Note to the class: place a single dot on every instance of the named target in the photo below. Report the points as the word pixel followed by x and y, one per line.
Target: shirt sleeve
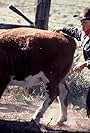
pixel 88 54
pixel 73 32
pixel 88 63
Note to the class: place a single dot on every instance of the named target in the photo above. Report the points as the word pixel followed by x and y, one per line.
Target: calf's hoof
pixel 61 121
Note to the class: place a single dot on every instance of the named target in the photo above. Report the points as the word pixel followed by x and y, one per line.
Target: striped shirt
pixel 85 41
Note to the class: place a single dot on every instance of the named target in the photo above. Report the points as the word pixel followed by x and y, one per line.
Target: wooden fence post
pixel 42 14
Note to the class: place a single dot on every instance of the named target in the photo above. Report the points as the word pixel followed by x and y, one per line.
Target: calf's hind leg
pixel 49 98
pixel 63 102
pixel 43 107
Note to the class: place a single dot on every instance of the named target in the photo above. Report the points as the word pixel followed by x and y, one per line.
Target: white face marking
pixel 30 81
pixel 63 109
pixel 40 111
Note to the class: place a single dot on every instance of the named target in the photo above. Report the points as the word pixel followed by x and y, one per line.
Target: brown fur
pixel 27 51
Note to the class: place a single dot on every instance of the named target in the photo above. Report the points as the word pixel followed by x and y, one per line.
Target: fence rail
pixel 59 12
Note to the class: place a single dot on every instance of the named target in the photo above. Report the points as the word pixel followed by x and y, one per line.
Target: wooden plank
pixel 42 14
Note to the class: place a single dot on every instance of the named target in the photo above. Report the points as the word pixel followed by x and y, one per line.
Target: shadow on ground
pixel 18 127
pixel 47 129
pixel 28 127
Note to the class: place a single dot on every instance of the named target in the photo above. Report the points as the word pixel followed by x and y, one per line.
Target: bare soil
pixel 16 113
pixel 16 108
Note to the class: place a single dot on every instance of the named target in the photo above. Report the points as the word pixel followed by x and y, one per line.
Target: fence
pixel 61 12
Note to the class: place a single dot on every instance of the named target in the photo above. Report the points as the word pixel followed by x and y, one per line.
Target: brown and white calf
pixel 31 55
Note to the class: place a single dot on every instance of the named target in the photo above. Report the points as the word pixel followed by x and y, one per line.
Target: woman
pixel 84 37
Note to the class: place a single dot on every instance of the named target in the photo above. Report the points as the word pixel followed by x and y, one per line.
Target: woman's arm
pixel 71 31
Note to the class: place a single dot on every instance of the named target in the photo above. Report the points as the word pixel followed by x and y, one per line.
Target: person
pixel 83 36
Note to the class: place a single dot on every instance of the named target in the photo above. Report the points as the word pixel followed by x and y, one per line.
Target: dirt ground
pixel 15 116
pixel 16 109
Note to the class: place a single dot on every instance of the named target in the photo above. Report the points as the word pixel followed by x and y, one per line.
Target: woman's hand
pixel 80 67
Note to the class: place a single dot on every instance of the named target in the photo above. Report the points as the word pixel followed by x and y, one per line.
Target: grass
pixel 61 12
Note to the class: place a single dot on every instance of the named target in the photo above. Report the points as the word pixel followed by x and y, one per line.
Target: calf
pixel 30 55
